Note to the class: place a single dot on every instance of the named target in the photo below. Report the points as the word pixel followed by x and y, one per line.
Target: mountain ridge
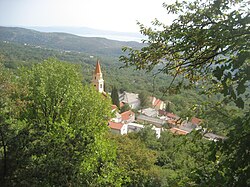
pixel 90 32
pixel 66 41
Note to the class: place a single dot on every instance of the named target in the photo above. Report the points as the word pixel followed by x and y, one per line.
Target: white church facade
pixel 97 79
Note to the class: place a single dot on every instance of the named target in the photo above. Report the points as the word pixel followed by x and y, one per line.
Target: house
pixel 131 99
pixel 135 127
pixel 196 121
pixel 172 122
pixel 157 131
pixel 169 115
pixel 178 131
pixel 117 118
pixel 214 137
pixel 150 120
pixel 118 128
pixel 128 116
pixel 187 129
pixel 157 103
pixel 172 116
pixel 151 112
pixel 188 124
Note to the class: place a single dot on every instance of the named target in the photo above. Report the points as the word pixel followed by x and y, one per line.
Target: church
pixel 97 79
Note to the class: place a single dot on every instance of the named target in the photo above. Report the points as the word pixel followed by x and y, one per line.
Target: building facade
pixel 97 79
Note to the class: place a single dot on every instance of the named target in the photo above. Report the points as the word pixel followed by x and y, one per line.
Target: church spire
pixel 97 80
pixel 98 67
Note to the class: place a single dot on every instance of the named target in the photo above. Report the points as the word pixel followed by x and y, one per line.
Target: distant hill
pixel 90 32
pixel 66 42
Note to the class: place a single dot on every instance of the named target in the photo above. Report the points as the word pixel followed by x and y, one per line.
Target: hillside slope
pixel 64 41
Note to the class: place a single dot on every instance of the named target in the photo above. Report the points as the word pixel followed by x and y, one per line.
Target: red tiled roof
pixel 98 67
pixel 158 102
pixel 126 115
pixel 168 114
pixel 196 121
pixel 178 131
pixel 114 125
pixel 162 112
pixel 171 115
pixel 172 122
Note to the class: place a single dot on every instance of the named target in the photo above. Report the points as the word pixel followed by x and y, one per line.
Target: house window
pixel 100 85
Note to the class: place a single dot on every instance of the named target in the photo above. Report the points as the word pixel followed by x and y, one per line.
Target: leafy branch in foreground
pixel 209 42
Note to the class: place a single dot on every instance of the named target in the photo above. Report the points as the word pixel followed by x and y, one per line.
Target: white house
pixel 128 116
pixel 118 128
pixel 151 112
pixel 131 99
pixel 135 127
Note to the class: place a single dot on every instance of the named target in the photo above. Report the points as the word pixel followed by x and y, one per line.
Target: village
pixel 155 115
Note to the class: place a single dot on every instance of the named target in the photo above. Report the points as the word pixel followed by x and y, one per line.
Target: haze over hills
pixel 65 41
pixel 90 32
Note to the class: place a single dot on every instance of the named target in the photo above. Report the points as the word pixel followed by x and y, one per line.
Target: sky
pixel 113 15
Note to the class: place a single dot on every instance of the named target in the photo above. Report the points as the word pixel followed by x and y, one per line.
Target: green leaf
pixel 240 103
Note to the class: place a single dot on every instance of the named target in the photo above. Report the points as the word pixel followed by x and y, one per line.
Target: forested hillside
pixel 64 41
pixel 54 124
pixel 185 103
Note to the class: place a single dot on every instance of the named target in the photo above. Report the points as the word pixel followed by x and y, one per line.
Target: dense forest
pixel 54 132
pixel 185 103
pixel 53 124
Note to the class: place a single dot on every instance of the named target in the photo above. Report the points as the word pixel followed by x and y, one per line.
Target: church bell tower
pixel 97 79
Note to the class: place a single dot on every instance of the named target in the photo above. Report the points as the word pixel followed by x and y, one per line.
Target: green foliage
pixel 230 160
pixel 168 109
pixel 115 97
pixel 171 160
pixel 144 99
pixel 7 111
pixel 125 108
pixel 148 137
pixel 208 47
pixel 53 129
pixel 208 41
pixel 136 161
pixel 65 42
pixel 15 55
pixel 62 141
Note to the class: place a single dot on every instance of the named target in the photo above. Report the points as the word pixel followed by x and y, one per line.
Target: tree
pixel 144 99
pixel 168 109
pixel 7 113
pixel 208 41
pixel 136 161
pixel 63 139
pixel 125 107
pixel 115 97
pixel 208 45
